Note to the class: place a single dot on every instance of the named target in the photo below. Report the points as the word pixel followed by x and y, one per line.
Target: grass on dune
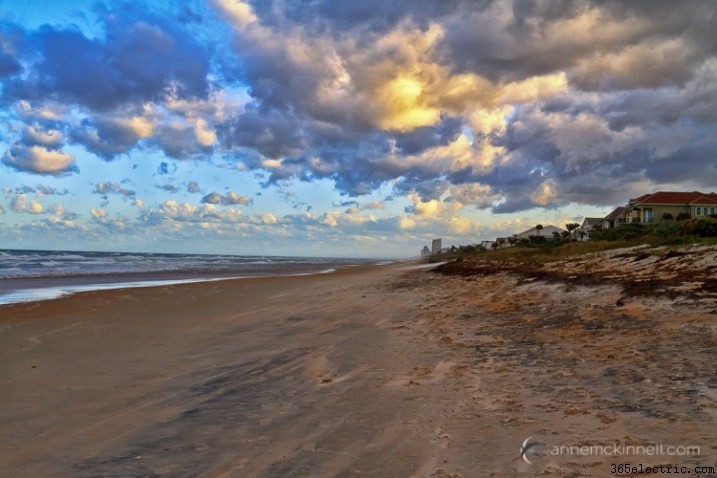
pixel 672 235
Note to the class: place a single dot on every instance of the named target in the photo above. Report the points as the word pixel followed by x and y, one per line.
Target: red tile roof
pixel 644 196
pixel 665 197
pixel 704 200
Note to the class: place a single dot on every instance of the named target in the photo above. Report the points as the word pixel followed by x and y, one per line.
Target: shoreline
pixel 32 289
pixel 372 370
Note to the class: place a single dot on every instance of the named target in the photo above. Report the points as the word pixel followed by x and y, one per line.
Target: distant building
pixel 583 232
pixel 501 242
pixel 487 244
pixel 546 231
pixel 425 252
pixel 614 219
pixel 436 246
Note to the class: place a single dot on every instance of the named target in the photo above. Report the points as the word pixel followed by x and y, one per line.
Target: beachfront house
pixel 545 231
pixel 614 219
pixel 582 233
pixel 502 242
pixel 664 205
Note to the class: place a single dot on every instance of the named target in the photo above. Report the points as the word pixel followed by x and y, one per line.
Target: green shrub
pixel 702 227
pixel 667 230
pixel 621 233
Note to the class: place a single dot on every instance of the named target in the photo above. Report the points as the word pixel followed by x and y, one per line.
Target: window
pixel 698 212
pixel 647 215
pixel 713 210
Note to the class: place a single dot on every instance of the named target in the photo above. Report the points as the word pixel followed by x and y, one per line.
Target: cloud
pixel 39 160
pixel 8 64
pixel 231 198
pixel 109 136
pixel 374 205
pixel 36 135
pixel 193 187
pixel 50 191
pixel 177 139
pixel 98 212
pixel 167 187
pixel 237 12
pixel 186 212
pixel 204 135
pixel 393 101
pixel 39 189
pixel 20 203
pixel 433 207
pixel 137 60
pixel 106 188
pixel 164 168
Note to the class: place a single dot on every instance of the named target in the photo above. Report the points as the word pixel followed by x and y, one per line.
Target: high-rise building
pixel 436 246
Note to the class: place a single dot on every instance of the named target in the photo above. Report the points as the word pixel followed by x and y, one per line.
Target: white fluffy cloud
pixel 97 212
pixel 39 160
pixel 21 203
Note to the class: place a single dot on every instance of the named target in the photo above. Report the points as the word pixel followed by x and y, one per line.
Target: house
pixel 665 205
pixel 502 242
pixel 487 244
pixel 614 219
pixel 583 232
pixel 546 231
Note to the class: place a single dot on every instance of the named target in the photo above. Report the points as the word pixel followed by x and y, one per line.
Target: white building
pixel 546 231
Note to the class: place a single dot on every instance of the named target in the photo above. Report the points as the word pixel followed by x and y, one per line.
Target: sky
pixel 343 128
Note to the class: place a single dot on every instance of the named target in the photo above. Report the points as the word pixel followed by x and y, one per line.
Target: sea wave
pixel 15 264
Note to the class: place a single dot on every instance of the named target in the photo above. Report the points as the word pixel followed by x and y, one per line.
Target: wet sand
pixel 372 371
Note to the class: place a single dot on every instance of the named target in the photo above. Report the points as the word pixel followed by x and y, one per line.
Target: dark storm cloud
pixel 340 16
pixel 138 60
pixel 541 37
pixel 178 142
pixel 11 39
pixel 424 137
pixel 702 169
pixel 272 133
pixel 8 64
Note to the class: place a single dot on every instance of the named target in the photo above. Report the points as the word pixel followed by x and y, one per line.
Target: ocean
pixel 29 275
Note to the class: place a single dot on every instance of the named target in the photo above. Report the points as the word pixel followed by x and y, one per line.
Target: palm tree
pixel 539 228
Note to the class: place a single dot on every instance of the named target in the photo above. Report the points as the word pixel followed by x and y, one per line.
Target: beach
pixel 369 371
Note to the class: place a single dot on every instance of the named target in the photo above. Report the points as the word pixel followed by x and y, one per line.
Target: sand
pixel 372 371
